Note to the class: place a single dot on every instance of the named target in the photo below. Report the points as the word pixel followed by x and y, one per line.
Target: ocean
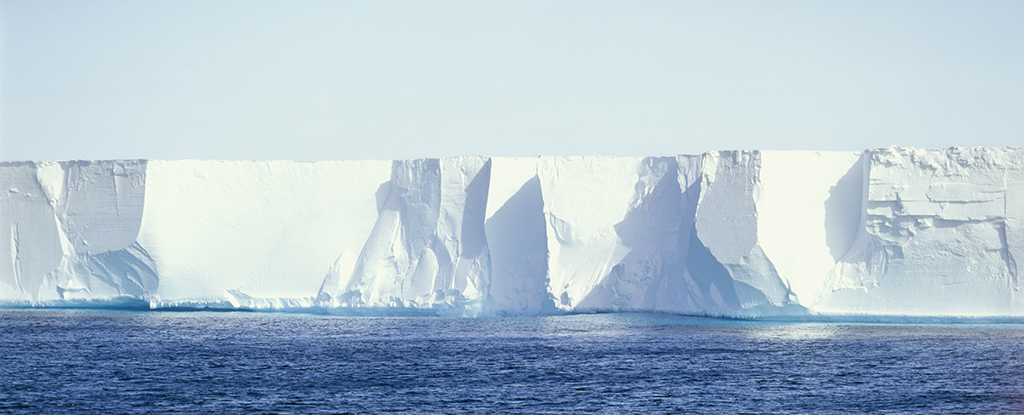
pixel 103 361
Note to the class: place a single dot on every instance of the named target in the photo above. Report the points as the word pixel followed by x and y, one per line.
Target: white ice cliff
pixel 427 246
pixel 883 232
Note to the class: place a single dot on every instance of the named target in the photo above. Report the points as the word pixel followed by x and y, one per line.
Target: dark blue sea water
pixel 60 361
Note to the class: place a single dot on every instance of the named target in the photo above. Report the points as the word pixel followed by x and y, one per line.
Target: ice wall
pixel 807 222
pixel 256 233
pixel 619 230
pixel 586 201
pixel 29 240
pixel 516 238
pixel 427 247
pixel 941 236
pixel 765 232
pixel 727 222
pixel 893 231
pixel 73 229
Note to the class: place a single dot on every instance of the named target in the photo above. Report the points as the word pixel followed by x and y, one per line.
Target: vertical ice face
pixel 941 235
pixel 735 233
pixel 774 229
pixel 84 216
pixel 727 224
pixel 514 227
pixel 100 206
pixel 1013 224
pixel 807 222
pixel 29 241
pixel 256 233
pixel 100 210
pixel 698 234
pixel 613 231
pixel 427 246
pixel 704 285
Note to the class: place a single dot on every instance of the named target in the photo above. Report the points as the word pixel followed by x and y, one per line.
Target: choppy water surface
pixel 54 361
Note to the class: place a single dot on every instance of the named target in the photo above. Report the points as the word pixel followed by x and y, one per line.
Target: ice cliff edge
pixel 890 231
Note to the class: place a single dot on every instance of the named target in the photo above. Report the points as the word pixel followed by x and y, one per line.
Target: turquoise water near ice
pixel 102 361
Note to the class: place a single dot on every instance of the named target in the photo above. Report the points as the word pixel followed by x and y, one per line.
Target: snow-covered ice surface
pixel 800 234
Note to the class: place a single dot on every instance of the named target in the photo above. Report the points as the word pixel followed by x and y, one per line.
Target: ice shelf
pixel 884 232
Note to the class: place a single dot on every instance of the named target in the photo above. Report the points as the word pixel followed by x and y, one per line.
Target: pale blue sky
pixel 407 79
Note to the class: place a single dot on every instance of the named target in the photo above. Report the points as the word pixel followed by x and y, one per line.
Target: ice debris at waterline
pixel 891 231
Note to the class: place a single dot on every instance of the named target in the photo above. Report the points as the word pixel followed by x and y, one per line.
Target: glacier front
pixel 883 232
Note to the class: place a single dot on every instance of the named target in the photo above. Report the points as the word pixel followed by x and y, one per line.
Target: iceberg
pixel 797 234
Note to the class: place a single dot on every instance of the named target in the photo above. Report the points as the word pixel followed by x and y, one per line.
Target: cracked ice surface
pixel 891 231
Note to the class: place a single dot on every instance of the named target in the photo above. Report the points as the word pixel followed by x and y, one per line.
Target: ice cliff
pixel 891 231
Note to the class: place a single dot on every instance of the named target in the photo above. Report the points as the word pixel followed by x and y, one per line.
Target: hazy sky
pixel 407 79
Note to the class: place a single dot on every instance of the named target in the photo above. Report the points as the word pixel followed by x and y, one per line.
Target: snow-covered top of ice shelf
pixel 804 234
